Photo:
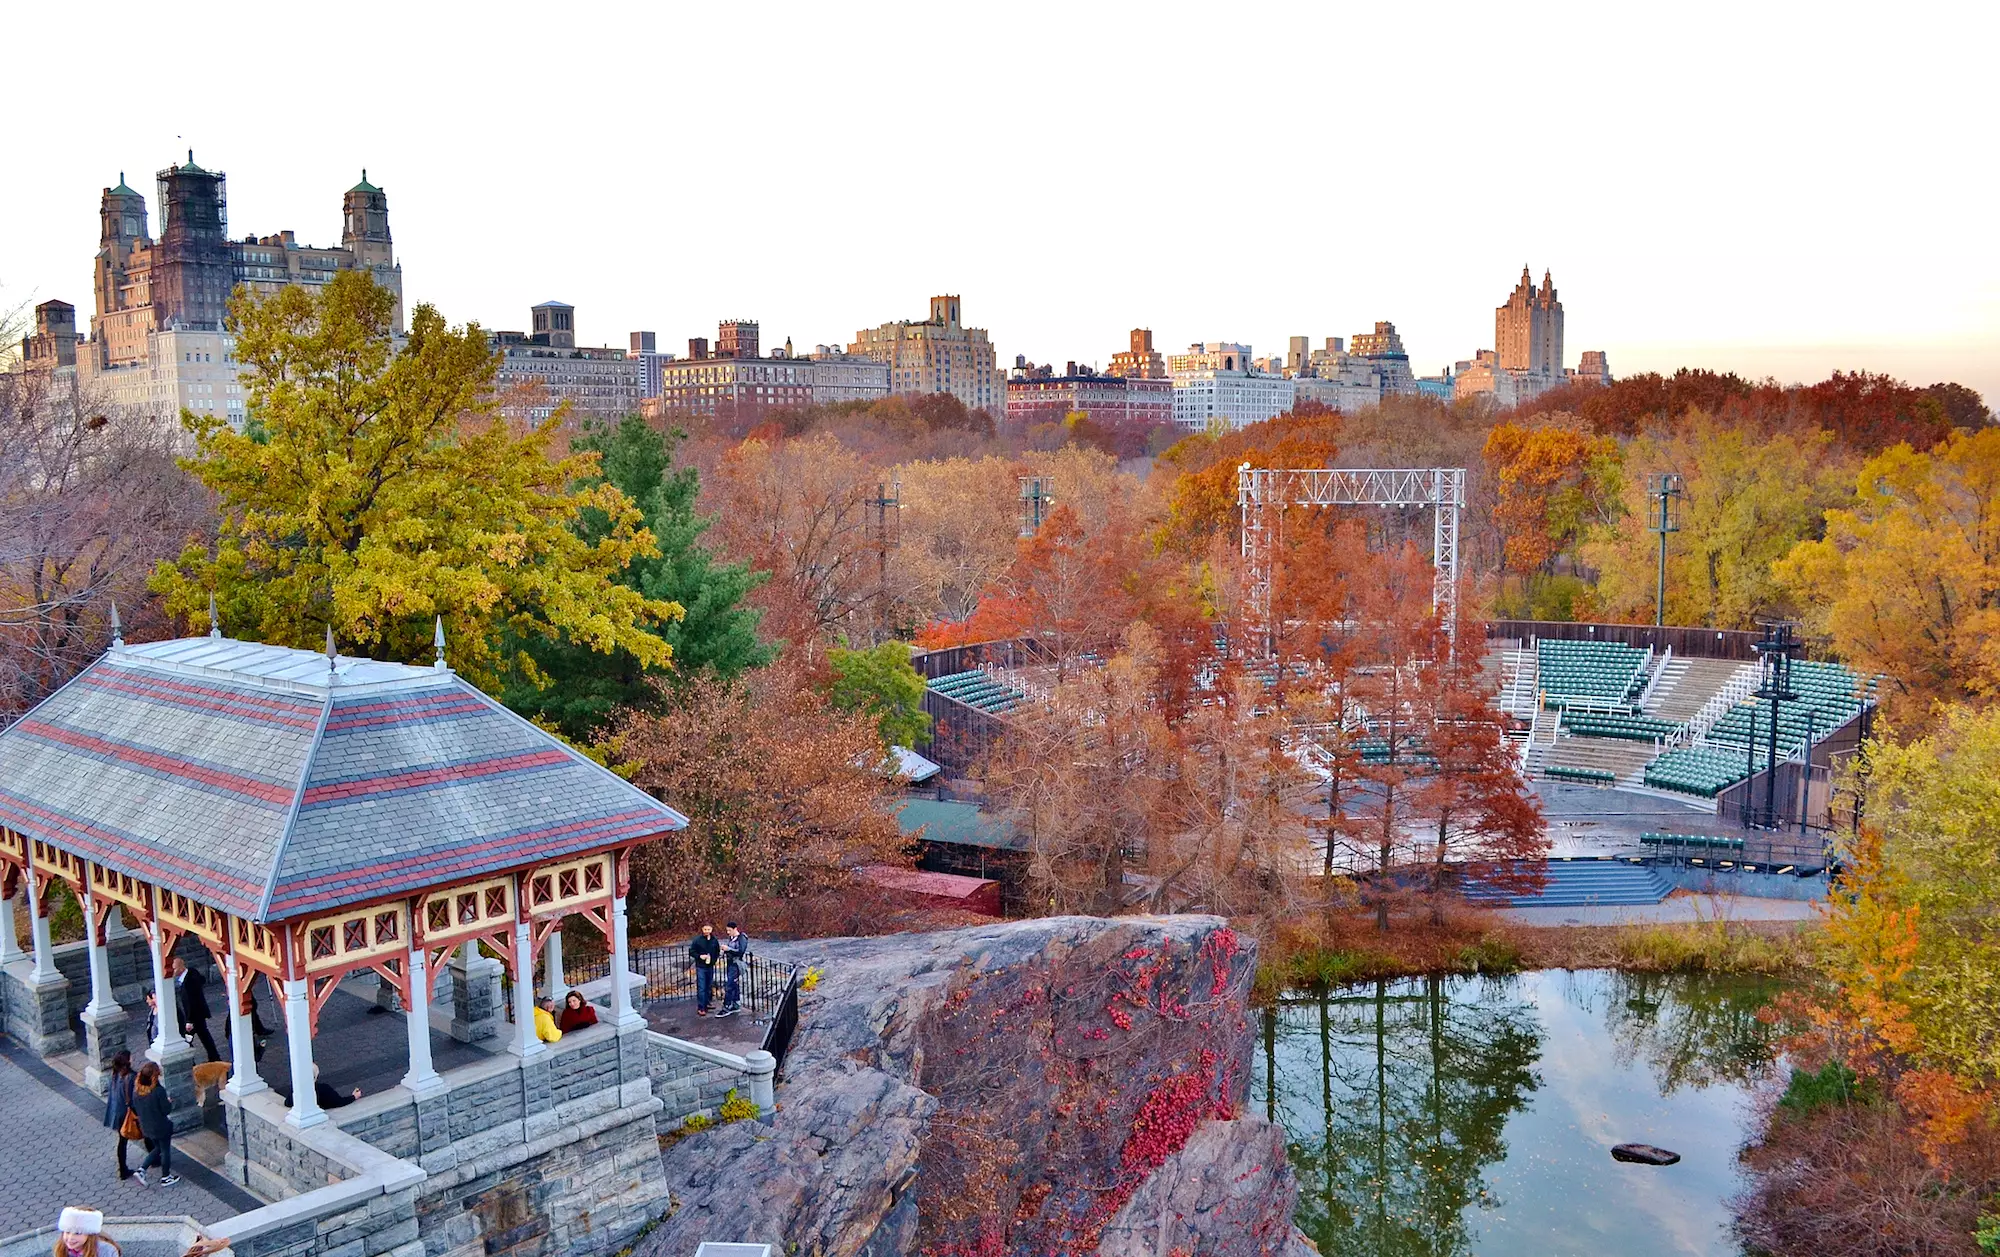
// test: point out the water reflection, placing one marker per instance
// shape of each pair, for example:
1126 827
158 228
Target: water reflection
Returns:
1444 1116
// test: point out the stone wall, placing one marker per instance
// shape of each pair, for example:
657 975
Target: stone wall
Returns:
554 1155
690 1079
33 1014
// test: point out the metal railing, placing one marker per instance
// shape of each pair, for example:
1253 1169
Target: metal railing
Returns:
769 989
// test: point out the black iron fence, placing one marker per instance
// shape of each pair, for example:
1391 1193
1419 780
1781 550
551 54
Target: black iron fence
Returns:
768 989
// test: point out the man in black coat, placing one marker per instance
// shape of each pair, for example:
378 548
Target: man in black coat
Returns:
703 952
191 998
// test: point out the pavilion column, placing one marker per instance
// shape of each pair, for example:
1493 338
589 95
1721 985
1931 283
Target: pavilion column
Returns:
298 1040
622 1012
525 1042
10 947
552 965
167 1017
423 1076
243 1077
103 1020
45 953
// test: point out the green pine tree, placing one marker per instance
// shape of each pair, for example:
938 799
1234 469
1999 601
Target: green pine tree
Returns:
579 690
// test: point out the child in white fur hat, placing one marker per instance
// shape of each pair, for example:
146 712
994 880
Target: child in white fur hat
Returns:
81 1230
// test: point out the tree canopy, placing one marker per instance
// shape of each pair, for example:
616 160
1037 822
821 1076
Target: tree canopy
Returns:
375 488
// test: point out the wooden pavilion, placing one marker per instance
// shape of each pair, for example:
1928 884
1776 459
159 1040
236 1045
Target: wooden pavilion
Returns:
306 816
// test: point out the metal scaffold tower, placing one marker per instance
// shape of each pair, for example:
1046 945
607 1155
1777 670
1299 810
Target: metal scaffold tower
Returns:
1263 493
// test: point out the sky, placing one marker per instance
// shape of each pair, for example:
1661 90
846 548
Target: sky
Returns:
1774 189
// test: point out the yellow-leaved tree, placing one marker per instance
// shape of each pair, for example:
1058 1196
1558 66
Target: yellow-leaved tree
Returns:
1906 582
374 488
1748 498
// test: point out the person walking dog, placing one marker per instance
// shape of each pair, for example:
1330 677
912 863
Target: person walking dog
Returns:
704 952
155 1109
118 1113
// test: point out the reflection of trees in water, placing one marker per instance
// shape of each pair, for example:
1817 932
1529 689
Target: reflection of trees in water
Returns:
1409 1086
1691 1030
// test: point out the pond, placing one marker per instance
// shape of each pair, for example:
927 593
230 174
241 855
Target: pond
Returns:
1475 1115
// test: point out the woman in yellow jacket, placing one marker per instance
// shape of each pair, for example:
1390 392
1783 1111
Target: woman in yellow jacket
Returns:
545 1021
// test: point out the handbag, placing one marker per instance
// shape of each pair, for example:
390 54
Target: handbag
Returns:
129 1128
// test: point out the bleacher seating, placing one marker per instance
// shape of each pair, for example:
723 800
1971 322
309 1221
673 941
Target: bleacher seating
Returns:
1693 842
1695 770
977 689
1601 673
1611 724
1568 772
1833 694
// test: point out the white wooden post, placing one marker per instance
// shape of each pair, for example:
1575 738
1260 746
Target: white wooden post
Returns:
101 1002
167 1018
622 1012
10 947
38 923
552 963
243 1077
298 1040
525 1042
423 1076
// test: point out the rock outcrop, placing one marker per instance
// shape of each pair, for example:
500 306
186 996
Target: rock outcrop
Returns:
1070 1086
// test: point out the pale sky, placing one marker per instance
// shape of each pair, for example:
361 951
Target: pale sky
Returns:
1772 189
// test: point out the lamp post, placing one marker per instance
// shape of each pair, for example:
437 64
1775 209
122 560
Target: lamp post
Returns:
1666 486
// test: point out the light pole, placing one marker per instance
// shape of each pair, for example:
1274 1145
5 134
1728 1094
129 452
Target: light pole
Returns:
1774 654
1666 486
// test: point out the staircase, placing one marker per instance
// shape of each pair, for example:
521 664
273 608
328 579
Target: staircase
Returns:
1671 670
1698 684
1581 884
1517 684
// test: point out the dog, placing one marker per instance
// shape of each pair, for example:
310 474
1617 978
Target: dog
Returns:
209 1076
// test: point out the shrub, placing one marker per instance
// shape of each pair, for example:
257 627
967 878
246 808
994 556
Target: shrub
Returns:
1490 955
737 1108
1831 1085
811 978
696 1122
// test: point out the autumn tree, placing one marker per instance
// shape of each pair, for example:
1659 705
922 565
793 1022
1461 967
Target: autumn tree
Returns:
90 500
1747 499
1065 590
799 509
580 690
1906 581
1556 481
374 489
784 796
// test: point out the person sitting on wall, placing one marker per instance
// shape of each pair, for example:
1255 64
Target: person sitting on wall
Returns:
576 1013
545 1020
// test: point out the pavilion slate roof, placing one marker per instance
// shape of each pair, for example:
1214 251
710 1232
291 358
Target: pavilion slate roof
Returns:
259 780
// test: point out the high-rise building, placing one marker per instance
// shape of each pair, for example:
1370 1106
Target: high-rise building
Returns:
1332 376
734 384
1528 330
645 351
938 355
52 347
157 338
1140 362
1126 406
1217 385
1592 368
1383 349
548 368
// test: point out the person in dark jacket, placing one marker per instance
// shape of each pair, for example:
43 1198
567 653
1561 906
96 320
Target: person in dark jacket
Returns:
325 1096
703 953
735 946
191 998
155 1109
118 1102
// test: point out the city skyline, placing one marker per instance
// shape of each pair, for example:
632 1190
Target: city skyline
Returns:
1067 212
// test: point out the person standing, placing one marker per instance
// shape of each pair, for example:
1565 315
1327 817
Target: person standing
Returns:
735 947
704 951
155 1109
191 997
118 1107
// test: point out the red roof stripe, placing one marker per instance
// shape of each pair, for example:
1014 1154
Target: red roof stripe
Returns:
140 757
201 698
433 868
462 707
127 854
443 774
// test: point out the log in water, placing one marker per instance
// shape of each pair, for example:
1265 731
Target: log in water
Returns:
1644 1154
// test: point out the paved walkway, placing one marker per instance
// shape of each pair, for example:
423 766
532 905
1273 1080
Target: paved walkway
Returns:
59 1153
1680 909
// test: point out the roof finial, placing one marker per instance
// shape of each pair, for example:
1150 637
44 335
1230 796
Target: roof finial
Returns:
214 620
117 630
190 157
364 174
332 655
437 635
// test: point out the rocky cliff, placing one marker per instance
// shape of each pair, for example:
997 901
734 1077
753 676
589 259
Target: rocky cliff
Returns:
1069 1086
